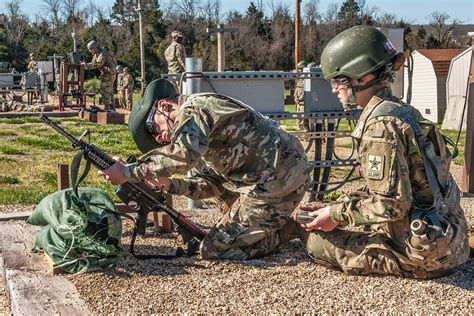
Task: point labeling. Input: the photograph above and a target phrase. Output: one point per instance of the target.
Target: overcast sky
(414, 11)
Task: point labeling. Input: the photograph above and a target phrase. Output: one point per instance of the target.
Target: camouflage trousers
(425, 256)
(303, 124)
(253, 227)
(121, 98)
(128, 99)
(107, 91)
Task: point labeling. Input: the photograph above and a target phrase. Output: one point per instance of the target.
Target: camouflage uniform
(120, 90)
(106, 63)
(175, 56)
(127, 86)
(247, 158)
(33, 66)
(396, 186)
(299, 101)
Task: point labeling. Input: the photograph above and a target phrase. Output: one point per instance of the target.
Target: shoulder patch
(375, 167)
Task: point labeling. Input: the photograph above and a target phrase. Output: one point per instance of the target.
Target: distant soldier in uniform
(120, 91)
(33, 64)
(106, 63)
(303, 124)
(410, 200)
(175, 54)
(127, 85)
(247, 159)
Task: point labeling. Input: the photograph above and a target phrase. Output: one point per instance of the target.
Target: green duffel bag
(82, 227)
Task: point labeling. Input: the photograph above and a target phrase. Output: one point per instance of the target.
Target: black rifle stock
(142, 197)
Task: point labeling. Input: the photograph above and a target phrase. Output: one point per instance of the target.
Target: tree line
(264, 40)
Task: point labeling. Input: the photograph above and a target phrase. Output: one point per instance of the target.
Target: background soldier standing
(120, 92)
(127, 86)
(106, 63)
(303, 124)
(175, 54)
(410, 200)
(33, 64)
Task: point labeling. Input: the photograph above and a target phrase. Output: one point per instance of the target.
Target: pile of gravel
(285, 282)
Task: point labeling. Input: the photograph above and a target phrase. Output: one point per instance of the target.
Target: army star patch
(375, 167)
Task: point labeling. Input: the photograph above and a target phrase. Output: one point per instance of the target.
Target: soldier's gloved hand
(115, 173)
(322, 221)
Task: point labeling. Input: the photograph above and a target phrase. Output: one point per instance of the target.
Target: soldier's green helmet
(157, 89)
(301, 65)
(92, 45)
(357, 52)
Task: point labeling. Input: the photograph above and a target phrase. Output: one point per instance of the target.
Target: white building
(457, 90)
(430, 71)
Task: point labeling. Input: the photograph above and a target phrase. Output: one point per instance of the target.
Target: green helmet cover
(92, 45)
(157, 89)
(356, 52)
(301, 65)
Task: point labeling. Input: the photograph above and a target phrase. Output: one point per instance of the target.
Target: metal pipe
(193, 85)
(142, 48)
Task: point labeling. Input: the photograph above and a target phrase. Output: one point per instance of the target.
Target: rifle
(142, 197)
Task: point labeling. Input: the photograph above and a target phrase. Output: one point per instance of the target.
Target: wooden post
(220, 30)
(220, 49)
(468, 168)
(297, 32)
(63, 177)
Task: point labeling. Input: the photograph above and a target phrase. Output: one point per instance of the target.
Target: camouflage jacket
(237, 145)
(127, 82)
(120, 81)
(393, 169)
(33, 66)
(175, 56)
(299, 91)
(104, 61)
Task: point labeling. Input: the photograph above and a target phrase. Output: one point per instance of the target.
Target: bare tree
(16, 25)
(210, 11)
(71, 7)
(52, 7)
(441, 28)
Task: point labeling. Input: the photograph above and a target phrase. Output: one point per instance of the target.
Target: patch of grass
(7, 159)
(7, 132)
(52, 142)
(332, 196)
(20, 120)
(50, 179)
(9, 180)
(9, 150)
(22, 195)
(453, 134)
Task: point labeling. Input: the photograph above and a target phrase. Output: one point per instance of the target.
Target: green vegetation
(28, 164)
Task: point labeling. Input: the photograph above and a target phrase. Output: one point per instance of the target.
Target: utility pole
(468, 167)
(73, 34)
(297, 32)
(142, 48)
(220, 30)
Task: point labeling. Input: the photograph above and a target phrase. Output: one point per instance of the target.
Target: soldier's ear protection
(398, 61)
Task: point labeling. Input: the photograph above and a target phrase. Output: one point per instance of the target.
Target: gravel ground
(287, 281)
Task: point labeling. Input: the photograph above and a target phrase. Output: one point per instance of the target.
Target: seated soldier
(409, 199)
(247, 157)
